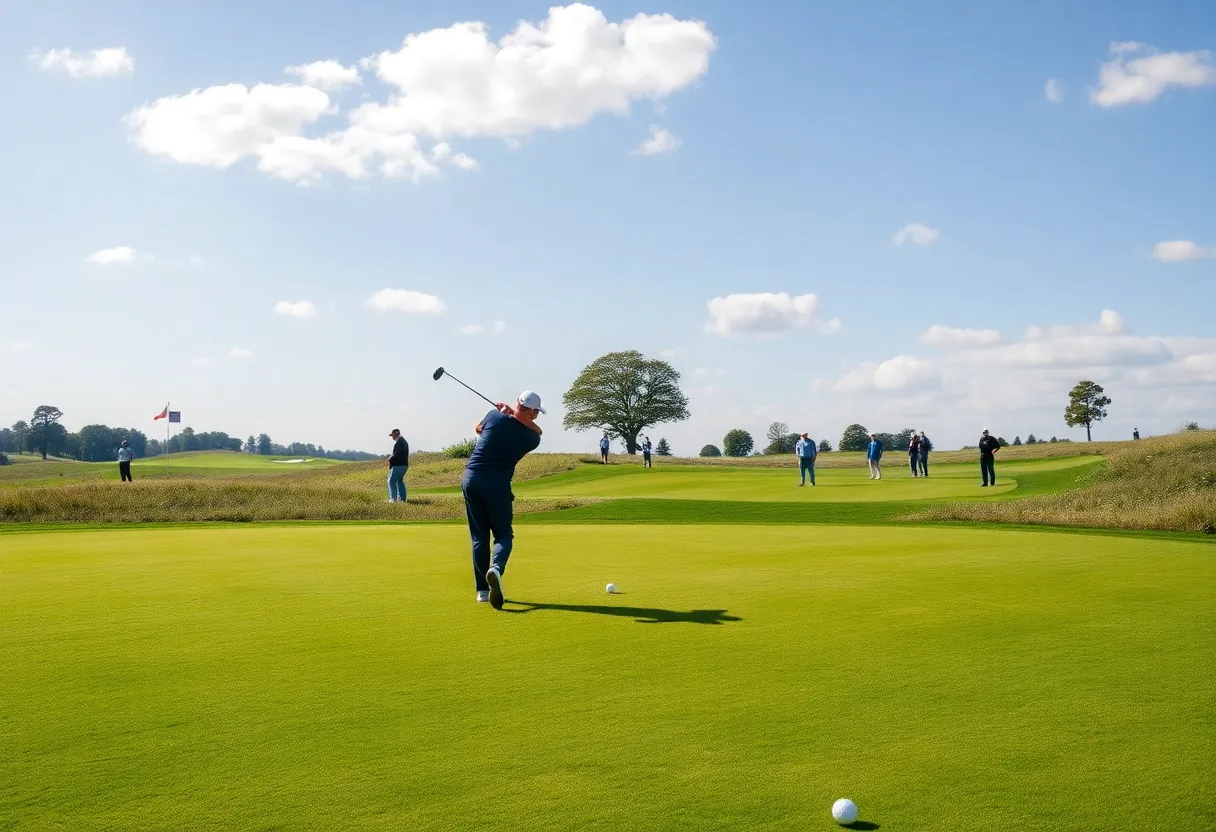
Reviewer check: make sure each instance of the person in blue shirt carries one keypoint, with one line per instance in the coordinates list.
(874, 455)
(604, 445)
(806, 451)
(646, 449)
(504, 437)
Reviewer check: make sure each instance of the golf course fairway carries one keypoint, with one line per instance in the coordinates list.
(341, 677)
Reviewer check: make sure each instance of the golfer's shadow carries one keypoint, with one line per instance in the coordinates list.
(643, 615)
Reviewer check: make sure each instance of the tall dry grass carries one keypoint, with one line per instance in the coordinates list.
(1166, 483)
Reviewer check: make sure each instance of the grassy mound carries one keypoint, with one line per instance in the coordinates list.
(1166, 483)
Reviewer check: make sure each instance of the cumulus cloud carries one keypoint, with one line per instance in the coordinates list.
(1053, 90)
(1139, 74)
(1177, 251)
(296, 309)
(479, 329)
(660, 141)
(95, 63)
(953, 337)
(240, 352)
(444, 84)
(671, 352)
(328, 75)
(903, 372)
(407, 301)
(765, 313)
(916, 234)
(116, 256)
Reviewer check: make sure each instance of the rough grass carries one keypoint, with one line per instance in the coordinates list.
(243, 500)
(1165, 483)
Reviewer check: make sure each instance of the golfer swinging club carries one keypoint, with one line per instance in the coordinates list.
(505, 436)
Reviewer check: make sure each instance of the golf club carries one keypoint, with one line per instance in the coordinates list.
(440, 373)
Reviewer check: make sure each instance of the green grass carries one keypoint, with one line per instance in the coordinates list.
(338, 678)
(33, 470)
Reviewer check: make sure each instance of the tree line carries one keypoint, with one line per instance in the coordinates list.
(44, 434)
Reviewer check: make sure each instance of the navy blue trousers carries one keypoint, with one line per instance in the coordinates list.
(487, 503)
(988, 469)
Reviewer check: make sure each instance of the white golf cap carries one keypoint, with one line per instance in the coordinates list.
(530, 399)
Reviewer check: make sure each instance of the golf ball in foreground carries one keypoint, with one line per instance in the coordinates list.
(844, 811)
(610, 589)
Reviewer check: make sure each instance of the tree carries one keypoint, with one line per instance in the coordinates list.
(855, 438)
(251, 445)
(1030, 440)
(895, 441)
(737, 442)
(1000, 440)
(780, 440)
(1086, 405)
(662, 449)
(265, 446)
(710, 450)
(8, 441)
(1189, 426)
(1054, 440)
(1017, 440)
(825, 447)
(622, 393)
(45, 431)
(22, 433)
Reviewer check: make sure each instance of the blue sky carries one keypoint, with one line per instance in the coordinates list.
(1052, 231)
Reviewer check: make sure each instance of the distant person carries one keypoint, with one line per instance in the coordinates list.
(874, 455)
(914, 453)
(646, 450)
(604, 445)
(988, 448)
(505, 436)
(806, 451)
(398, 464)
(925, 447)
(1136, 434)
(125, 455)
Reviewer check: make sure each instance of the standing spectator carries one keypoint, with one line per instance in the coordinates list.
(125, 455)
(646, 449)
(914, 453)
(398, 464)
(604, 445)
(925, 447)
(874, 455)
(806, 451)
(1136, 433)
(988, 448)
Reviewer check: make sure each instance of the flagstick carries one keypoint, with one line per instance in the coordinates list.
(167, 420)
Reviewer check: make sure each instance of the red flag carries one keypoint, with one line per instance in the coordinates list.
(162, 414)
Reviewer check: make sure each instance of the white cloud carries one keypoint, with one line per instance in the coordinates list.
(297, 309)
(328, 75)
(765, 313)
(95, 63)
(1177, 251)
(660, 141)
(915, 233)
(1109, 322)
(671, 352)
(478, 329)
(953, 337)
(903, 372)
(407, 301)
(240, 352)
(444, 83)
(1139, 80)
(1053, 90)
(116, 256)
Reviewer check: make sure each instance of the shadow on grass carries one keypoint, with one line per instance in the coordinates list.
(643, 615)
(863, 824)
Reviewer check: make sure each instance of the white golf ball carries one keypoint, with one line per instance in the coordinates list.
(610, 589)
(844, 811)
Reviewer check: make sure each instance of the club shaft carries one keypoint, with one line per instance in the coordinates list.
(467, 387)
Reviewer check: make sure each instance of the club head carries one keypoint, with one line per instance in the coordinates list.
(438, 374)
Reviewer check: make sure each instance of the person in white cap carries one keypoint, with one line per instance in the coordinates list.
(505, 436)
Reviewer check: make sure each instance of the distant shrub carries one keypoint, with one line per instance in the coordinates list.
(461, 450)
(3, 459)
(711, 450)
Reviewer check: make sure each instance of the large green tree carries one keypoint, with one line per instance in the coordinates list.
(855, 438)
(780, 440)
(45, 433)
(662, 448)
(1086, 404)
(21, 435)
(622, 393)
(710, 450)
(737, 442)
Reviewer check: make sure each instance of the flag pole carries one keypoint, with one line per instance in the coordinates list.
(167, 420)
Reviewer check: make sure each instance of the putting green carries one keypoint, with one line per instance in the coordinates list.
(324, 677)
(769, 485)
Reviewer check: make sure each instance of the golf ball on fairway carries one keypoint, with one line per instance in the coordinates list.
(844, 811)
(610, 589)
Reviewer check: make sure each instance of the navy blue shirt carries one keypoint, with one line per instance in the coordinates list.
(503, 443)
